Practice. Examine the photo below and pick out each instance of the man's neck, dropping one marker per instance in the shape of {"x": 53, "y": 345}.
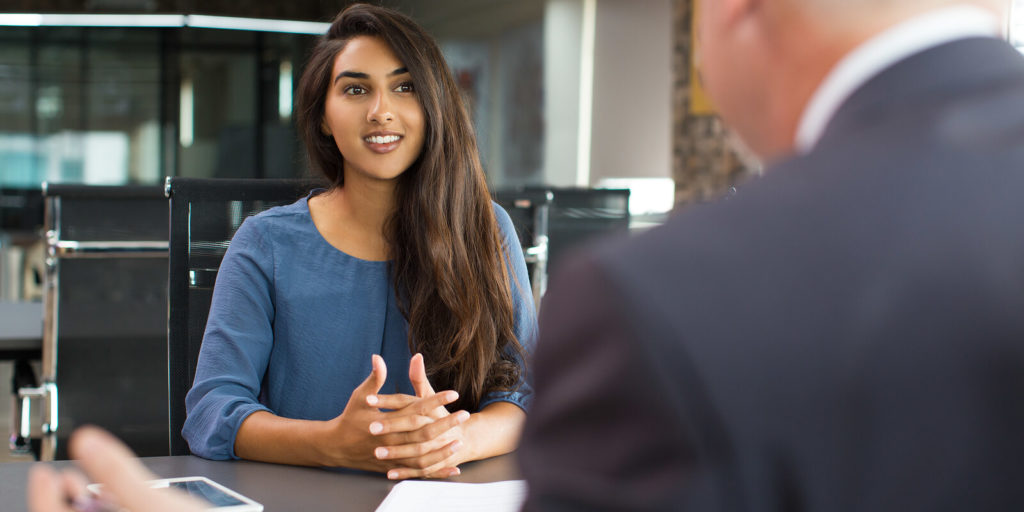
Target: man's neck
{"x": 869, "y": 54}
{"x": 804, "y": 56}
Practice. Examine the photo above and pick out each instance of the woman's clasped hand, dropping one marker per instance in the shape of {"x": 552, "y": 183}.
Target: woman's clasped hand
{"x": 407, "y": 436}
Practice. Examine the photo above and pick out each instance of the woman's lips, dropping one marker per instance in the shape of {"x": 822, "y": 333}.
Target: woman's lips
{"x": 382, "y": 143}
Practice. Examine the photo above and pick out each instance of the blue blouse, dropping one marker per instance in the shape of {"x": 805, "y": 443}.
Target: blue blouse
{"x": 293, "y": 323}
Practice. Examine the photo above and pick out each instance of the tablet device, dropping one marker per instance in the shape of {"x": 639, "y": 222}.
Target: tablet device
{"x": 220, "y": 498}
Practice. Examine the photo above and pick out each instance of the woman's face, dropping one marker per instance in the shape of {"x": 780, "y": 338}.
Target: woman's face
{"x": 372, "y": 111}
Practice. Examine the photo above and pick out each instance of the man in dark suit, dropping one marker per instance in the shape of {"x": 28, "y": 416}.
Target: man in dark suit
{"x": 846, "y": 332}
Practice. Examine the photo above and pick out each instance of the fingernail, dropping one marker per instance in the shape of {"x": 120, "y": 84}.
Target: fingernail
{"x": 456, "y": 445}
{"x": 392, "y": 475}
{"x": 376, "y": 427}
{"x": 381, "y": 452}
{"x": 462, "y": 416}
{"x": 455, "y": 472}
{"x": 372, "y": 399}
{"x": 452, "y": 396}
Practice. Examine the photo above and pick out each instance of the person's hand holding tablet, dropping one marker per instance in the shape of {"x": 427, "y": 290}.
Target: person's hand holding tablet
{"x": 109, "y": 462}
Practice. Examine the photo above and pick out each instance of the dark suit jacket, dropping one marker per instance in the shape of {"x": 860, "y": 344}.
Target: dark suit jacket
{"x": 845, "y": 333}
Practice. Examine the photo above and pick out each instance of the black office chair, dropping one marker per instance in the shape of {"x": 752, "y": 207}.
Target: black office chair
{"x": 105, "y": 307}
{"x": 578, "y": 215}
{"x": 553, "y": 220}
{"x": 204, "y": 215}
{"x": 529, "y": 210}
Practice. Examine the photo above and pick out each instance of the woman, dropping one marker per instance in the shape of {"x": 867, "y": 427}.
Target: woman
{"x": 404, "y": 254}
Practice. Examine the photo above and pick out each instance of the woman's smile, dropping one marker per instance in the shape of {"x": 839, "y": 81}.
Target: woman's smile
{"x": 382, "y": 142}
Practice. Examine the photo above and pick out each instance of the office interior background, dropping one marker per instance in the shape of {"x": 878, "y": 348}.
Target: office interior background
{"x": 563, "y": 93}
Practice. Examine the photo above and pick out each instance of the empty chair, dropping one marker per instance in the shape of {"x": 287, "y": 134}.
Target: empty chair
{"x": 529, "y": 210}
{"x": 104, "y": 351}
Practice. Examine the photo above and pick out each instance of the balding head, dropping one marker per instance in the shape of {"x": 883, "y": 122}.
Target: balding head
{"x": 761, "y": 60}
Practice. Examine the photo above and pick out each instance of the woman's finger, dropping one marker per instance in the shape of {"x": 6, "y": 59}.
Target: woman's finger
{"x": 418, "y": 376}
{"x": 404, "y": 453}
{"x": 392, "y": 402}
{"x": 436, "y": 429}
{"x": 408, "y": 404}
{"x": 426, "y": 464}
{"x": 429, "y": 405}
{"x": 400, "y": 423}
{"x": 373, "y": 382}
{"x": 445, "y": 472}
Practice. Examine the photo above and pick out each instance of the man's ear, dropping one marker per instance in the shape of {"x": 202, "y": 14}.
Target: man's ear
{"x": 735, "y": 11}
{"x": 726, "y": 15}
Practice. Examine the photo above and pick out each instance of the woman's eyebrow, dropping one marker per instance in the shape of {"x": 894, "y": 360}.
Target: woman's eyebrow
{"x": 351, "y": 74}
{"x": 363, "y": 76}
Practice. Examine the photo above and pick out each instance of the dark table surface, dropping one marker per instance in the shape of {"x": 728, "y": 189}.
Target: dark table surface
{"x": 277, "y": 487}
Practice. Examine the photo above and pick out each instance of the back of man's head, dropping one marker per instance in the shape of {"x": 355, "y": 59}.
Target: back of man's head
{"x": 761, "y": 60}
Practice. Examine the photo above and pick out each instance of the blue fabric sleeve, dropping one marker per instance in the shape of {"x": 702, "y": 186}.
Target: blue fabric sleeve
{"x": 236, "y": 346}
{"x": 525, "y": 312}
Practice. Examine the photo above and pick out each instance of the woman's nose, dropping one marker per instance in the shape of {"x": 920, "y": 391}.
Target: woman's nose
{"x": 380, "y": 110}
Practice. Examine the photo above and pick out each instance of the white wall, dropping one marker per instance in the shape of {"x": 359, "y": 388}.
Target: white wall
{"x": 563, "y": 23}
{"x": 632, "y": 114}
{"x": 629, "y": 132}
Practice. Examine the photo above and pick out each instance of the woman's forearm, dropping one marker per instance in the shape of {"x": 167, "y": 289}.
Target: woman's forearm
{"x": 265, "y": 437}
{"x": 493, "y": 431}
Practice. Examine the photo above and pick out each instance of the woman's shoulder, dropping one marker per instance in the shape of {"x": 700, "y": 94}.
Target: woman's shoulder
{"x": 275, "y": 222}
{"x": 502, "y": 217}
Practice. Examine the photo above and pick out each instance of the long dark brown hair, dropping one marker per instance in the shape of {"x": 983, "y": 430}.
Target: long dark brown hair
{"x": 448, "y": 262}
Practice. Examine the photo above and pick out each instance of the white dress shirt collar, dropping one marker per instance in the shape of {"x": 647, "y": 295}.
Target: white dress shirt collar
{"x": 881, "y": 51}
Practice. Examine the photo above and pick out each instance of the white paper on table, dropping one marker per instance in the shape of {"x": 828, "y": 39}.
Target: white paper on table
{"x": 412, "y": 495}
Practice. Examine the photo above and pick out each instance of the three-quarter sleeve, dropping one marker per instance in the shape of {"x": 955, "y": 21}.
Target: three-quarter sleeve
{"x": 236, "y": 346}
{"x": 525, "y": 313}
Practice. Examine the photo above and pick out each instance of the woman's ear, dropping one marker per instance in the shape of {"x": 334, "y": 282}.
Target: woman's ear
{"x": 324, "y": 129}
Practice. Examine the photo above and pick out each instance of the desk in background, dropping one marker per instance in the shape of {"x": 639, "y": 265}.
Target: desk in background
{"x": 279, "y": 488}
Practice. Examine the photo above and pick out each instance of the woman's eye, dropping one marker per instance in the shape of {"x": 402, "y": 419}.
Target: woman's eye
{"x": 355, "y": 89}
{"x": 405, "y": 87}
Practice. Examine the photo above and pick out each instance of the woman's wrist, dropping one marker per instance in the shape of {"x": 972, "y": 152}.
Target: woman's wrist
{"x": 472, "y": 432}
{"x": 493, "y": 431}
{"x": 327, "y": 443}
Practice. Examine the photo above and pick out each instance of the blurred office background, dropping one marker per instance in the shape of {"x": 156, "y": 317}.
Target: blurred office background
{"x": 563, "y": 93}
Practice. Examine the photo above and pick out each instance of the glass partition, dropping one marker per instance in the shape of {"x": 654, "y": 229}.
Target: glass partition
{"x": 122, "y": 105}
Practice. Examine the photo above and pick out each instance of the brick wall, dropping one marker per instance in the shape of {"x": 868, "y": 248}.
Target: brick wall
{"x": 704, "y": 165}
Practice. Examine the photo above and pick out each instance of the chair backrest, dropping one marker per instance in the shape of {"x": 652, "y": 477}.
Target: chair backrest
{"x": 204, "y": 215}
{"x": 105, "y": 305}
{"x": 529, "y": 210}
{"x": 580, "y": 214}
{"x": 562, "y": 218}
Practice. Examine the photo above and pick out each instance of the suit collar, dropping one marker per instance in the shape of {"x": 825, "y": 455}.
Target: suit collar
{"x": 885, "y": 49}
{"x": 949, "y": 70}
